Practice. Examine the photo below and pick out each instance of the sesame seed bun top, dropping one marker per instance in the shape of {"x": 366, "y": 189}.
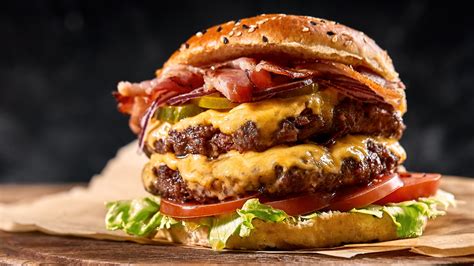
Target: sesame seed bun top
{"x": 285, "y": 36}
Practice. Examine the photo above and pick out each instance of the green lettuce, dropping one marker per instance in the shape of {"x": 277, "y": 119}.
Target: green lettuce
{"x": 410, "y": 216}
{"x": 141, "y": 217}
{"x": 241, "y": 222}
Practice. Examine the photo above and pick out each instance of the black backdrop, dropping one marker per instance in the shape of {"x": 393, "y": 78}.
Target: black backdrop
{"x": 60, "y": 60}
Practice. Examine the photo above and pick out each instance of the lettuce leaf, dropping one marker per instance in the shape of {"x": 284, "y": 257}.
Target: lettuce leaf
{"x": 241, "y": 222}
{"x": 410, "y": 216}
{"x": 222, "y": 228}
{"x": 141, "y": 217}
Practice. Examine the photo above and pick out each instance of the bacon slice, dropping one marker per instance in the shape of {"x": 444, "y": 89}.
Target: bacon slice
{"x": 246, "y": 79}
{"x": 135, "y": 98}
{"x": 285, "y": 71}
{"x": 359, "y": 85}
{"x": 260, "y": 78}
{"x": 232, "y": 83}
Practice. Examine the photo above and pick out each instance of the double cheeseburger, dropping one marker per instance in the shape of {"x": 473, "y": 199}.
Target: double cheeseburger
{"x": 275, "y": 131}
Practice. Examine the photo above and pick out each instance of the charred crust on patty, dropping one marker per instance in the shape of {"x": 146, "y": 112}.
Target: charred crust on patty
{"x": 169, "y": 184}
{"x": 350, "y": 117}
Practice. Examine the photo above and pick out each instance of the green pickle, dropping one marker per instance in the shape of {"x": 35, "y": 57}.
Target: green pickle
{"x": 214, "y": 101}
{"x": 173, "y": 114}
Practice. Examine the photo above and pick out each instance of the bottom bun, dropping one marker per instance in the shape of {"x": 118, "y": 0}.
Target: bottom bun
{"x": 328, "y": 230}
{"x": 258, "y": 226}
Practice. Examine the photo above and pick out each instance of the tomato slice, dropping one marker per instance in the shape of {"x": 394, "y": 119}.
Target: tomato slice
{"x": 301, "y": 204}
{"x": 193, "y": 210}
{"x": 385, "y": 189}
{"x": 348, "y": 199}
{"x": 415, "y": 185}
{"x": 292, "y": 206}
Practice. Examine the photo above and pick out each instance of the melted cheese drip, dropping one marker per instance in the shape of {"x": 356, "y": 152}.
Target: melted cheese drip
{"x": 156, "y": 130}
{"x": 250, "y": 169}
{"x": 266, "y": 114}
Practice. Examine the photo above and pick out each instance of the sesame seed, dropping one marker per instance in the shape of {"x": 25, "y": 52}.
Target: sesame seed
{"x": 330, "y": 33}
{"x": 231, "y": 33}
{"x": 264, "y": 39}
{"x": 184, "y": 46}
{"x": 305, "y": 29}
{"x": 273, "y": 18}
{"x": 334, "y": 39}
{"x": 219, "y": 29}
{"x": 225, "y": 40}
{"x": 245, "y": 26}
{"x": 262, "y": 21}
{"x": 252, "y": 28}
{"x": 238, "y": 33}
{"x": 199, "y": 34}
{"x": 313, "y": 23}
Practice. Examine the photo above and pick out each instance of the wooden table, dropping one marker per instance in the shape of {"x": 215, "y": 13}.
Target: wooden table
{"x": 19, "y": 248}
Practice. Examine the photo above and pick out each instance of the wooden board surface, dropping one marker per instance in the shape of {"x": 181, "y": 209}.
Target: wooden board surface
{"x": 19, "y": 248}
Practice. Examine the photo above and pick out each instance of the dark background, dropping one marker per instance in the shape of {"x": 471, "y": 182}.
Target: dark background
{"x": 60, "y": 61}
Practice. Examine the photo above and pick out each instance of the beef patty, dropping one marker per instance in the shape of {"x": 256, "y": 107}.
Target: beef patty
{"x": 350, "y": 117}
{"x": 169, "y": 184}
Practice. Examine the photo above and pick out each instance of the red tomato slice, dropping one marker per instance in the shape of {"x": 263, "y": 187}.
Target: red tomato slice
{"x": 415, "y": 185}
{"x": 348, "y": 199}
{"x": 292, "y": 206}
{"x": 193, "y": 210}
{"x": 301, "y": 204}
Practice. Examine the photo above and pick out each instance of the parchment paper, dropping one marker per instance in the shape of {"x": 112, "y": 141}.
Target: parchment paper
{"x": 81, "y": 211}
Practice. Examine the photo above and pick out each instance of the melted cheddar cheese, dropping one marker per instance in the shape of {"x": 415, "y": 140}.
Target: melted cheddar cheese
{"x": 266, "y": 114}
{"x": 242, "y": 171}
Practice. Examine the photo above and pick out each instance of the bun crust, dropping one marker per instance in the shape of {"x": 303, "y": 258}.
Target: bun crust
{"x": 280, "y": 35}
{"x": 329, "y": 230}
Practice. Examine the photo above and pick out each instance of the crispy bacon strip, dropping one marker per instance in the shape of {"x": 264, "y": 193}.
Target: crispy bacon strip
{"x": 364, "y": 84}
{"x": 260, "y": 78}
{"x": 285, "y": 71}
{"x": 135, "y": 98}
{"x": 232, "y": 83}
{"x": 238, "y": 79}
{"x": 244, "y": 79}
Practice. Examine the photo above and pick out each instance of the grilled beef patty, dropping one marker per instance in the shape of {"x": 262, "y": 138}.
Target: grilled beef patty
{"x": 350, "y": 117}
{"x": 169, "y": 184}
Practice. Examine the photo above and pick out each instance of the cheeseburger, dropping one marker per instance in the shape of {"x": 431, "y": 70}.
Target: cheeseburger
{"x": 275, "y": 131}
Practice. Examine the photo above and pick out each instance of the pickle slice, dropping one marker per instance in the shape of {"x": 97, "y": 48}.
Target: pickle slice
{"x": 173, "y": 114}
{"x": 214, "y": 102}
{"x": 217, "y": 102}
